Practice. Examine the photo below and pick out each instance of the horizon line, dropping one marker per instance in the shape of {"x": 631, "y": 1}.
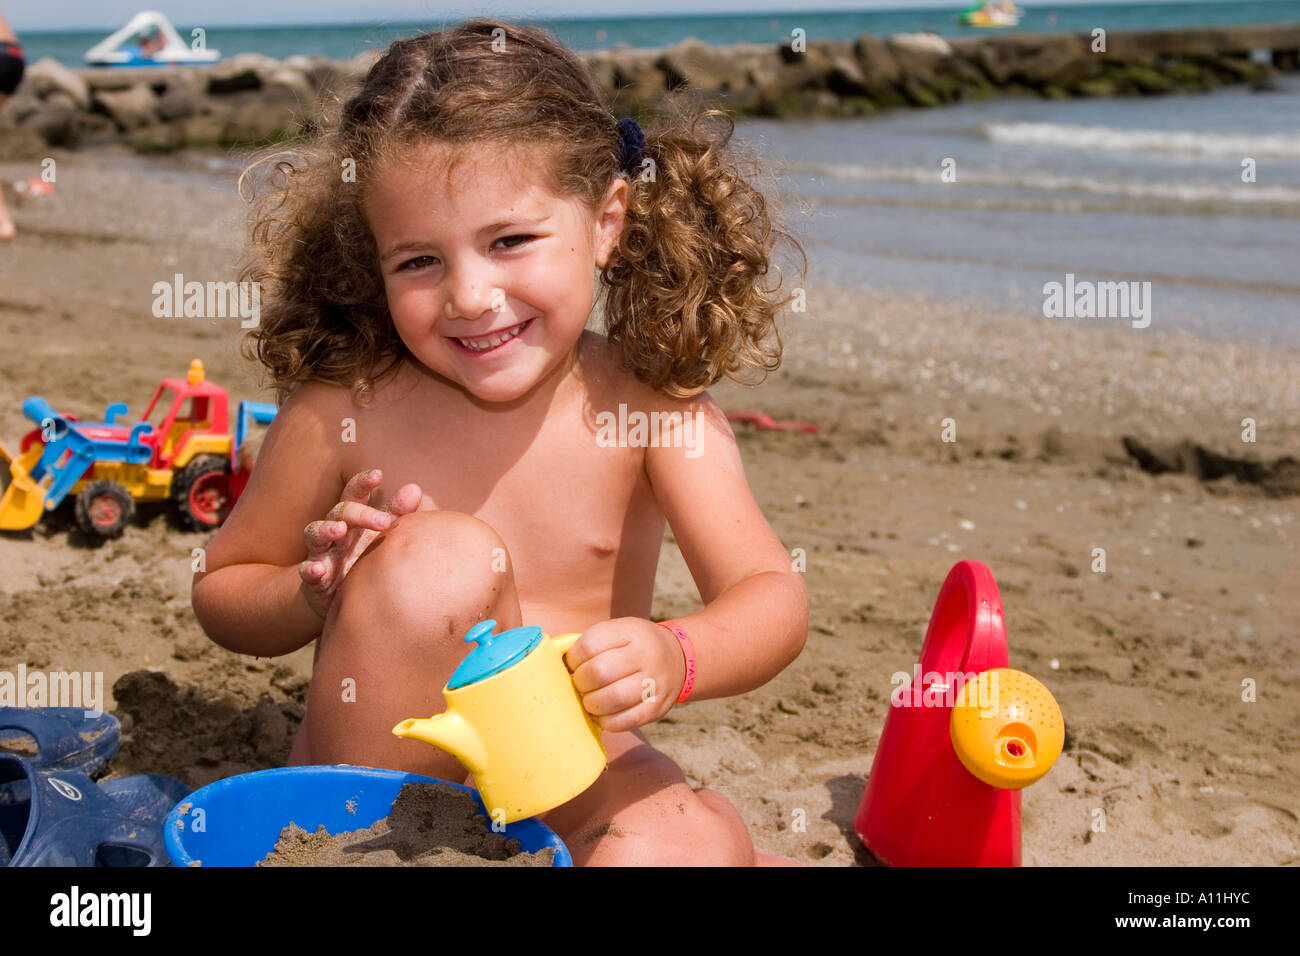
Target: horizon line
{"x": 939, "y": 5}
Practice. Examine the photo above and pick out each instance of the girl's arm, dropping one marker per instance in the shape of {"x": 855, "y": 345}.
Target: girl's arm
{"x": 755, "y": 619}
{"x": 249, "y": 597}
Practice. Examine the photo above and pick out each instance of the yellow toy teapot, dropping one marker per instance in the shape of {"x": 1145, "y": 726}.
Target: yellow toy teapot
{"x": 515, "y": 720}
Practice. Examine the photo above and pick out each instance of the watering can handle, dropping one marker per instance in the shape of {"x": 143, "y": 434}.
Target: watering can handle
{"x": 566, "y": 641}
{"x": 967, "y": 631}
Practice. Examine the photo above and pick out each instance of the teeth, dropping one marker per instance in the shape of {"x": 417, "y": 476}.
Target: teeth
{"x": 491, "y": 341}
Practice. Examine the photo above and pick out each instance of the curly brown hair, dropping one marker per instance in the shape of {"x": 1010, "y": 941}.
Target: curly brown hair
{"x": 686, "y": 300}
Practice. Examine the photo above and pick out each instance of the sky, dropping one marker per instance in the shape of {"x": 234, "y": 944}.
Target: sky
{"x": 111, "y": 14}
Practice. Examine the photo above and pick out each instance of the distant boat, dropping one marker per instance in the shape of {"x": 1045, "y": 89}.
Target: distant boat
{"x": 148, "y": 40}
{"x": 991, "y": 15}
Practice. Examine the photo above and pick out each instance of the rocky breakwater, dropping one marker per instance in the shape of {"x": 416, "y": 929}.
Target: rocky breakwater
{"x": 252, "y": 99}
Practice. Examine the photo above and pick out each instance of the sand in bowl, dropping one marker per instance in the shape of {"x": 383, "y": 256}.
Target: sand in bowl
{"x": 431, "y": 824}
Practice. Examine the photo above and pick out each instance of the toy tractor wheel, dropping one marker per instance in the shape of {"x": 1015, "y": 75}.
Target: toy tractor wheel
{"x": 104, "y": 509}
{"x": 201, "y": 492}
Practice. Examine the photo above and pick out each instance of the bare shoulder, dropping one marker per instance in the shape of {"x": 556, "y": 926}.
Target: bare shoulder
{"x": 621, "y": 384}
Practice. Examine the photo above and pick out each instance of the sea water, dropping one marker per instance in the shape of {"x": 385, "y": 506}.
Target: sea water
{"x": 1136, "y": 190}
{"x": 53, "y": 31}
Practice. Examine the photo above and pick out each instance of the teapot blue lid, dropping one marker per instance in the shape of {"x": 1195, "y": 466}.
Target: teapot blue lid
{"x": 495, "y": 652}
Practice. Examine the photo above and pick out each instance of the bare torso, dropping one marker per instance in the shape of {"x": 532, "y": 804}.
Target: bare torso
{"x": 580, "y": 520}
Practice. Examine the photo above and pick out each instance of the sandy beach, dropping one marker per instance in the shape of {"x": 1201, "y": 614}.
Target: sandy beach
{"x": 1147, "y": 659}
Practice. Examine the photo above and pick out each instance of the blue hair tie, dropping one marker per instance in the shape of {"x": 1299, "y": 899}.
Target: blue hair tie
{"x": 631, "y": 146}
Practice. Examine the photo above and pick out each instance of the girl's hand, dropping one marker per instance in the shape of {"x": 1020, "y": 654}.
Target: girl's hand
{"x": 333, "y": 545}
{"x": 630, "y": 672}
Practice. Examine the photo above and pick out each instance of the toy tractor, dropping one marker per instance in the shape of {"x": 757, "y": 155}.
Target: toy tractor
{"x": 181, "y": 450}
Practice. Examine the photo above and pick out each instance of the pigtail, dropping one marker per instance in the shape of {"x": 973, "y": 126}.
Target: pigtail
{"x": 689, "y": 297}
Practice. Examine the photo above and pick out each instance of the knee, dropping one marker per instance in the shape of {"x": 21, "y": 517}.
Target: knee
{"x": 437, "y": 549}
{"x": 672, "y": 825}
{"x": 440, "y": 564}
{"x": 714, "y": 833}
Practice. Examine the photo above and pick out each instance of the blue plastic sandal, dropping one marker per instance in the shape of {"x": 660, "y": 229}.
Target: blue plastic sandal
{"x": 66, "y": 739}
{"x": 63, "y": 818}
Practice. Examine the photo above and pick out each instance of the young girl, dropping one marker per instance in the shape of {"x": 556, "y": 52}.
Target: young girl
{"x": 445, "y": 453}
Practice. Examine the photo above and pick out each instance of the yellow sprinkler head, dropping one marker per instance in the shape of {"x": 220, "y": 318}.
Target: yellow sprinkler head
{"x": 195, "y": 376}
{"x": 1006, "y": 728}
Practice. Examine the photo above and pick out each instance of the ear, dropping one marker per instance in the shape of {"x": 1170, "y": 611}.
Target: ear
{"x": 610, "y": 218}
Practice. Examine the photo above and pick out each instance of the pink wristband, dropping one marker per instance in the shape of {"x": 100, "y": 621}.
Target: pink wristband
{"x": 688, "y": 651}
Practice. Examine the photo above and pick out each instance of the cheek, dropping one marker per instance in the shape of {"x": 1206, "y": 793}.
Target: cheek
{"x": 410, "y": 307}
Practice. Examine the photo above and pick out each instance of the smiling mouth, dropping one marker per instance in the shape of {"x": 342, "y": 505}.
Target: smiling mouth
{"x": 489, "y": 343}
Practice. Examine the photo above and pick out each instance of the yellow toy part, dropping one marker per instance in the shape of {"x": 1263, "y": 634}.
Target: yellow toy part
{"x": 522, "y": 732}
{"x": 23, "y": 501}
{"x": 140, "y": 481}
{"x": 1006, "y": 728}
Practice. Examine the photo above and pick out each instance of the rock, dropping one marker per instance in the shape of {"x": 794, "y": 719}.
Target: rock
{"x": 1186, "y": 74}
{"x": 243, "y": 71}
{"x": 919, "y": 60}
{"x": 159, "y": 138}
{"x": 204, "y": 130}
{"x": 321, "y": 72}
{"x": 289, "y": 86}
{"x": 1032, "y": 59}
{"x": 1142, "y": 48}
{"x": 1139, "y": 79}
{"x": 47, "y": 75}
{"x": 880, "y": 71}
{"x": 696, "y": 64}
{"x": 256, "y": 122}
{"x": 1126, "y": 49}
{"x": 846, "y": 77}
{"x": 819, "y": 102}
{"x": 22, "y": 104}
{"x": 930, "y": 43}
{"x": 55, "y": 122}
{"x": 94, "y": 129}
{"x": 919, "y": 93}
{"x": 131, "y": 108}
{"x": 184, "y": 95}
{"x": 637, "y": 84}
{"x": 18, "y": 144}
{"x": 947, "y": 88}
{"x": 601, "y": 65}
{"x": 764, "y": 69}
{"x": 1238, "y": 69}
{"x": 1059, "y": 60}
{"x": 1097, "y": 87}
{"x": 356, "y": 68}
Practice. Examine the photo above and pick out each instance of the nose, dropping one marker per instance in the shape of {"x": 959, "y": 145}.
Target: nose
{"x": 470, "y": 292}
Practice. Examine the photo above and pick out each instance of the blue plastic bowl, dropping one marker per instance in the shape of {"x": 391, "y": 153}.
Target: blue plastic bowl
{"x": 243, "y": 815}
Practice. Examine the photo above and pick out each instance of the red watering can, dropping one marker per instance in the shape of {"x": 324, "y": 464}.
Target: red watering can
{"x": 944, "y": 788}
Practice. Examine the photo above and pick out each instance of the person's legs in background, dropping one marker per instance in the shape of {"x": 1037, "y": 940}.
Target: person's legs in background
{"x": 11, "y": 74}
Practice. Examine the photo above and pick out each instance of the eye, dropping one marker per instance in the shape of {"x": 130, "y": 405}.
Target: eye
{"x": 412, "y": 263}
{"x": 516, "y": 244}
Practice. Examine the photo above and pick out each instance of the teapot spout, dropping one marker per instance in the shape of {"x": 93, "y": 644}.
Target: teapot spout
{"x": 448, "y": 731}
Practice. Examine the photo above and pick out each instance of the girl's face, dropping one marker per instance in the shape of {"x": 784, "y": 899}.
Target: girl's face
{"x": 483, "y": 252}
